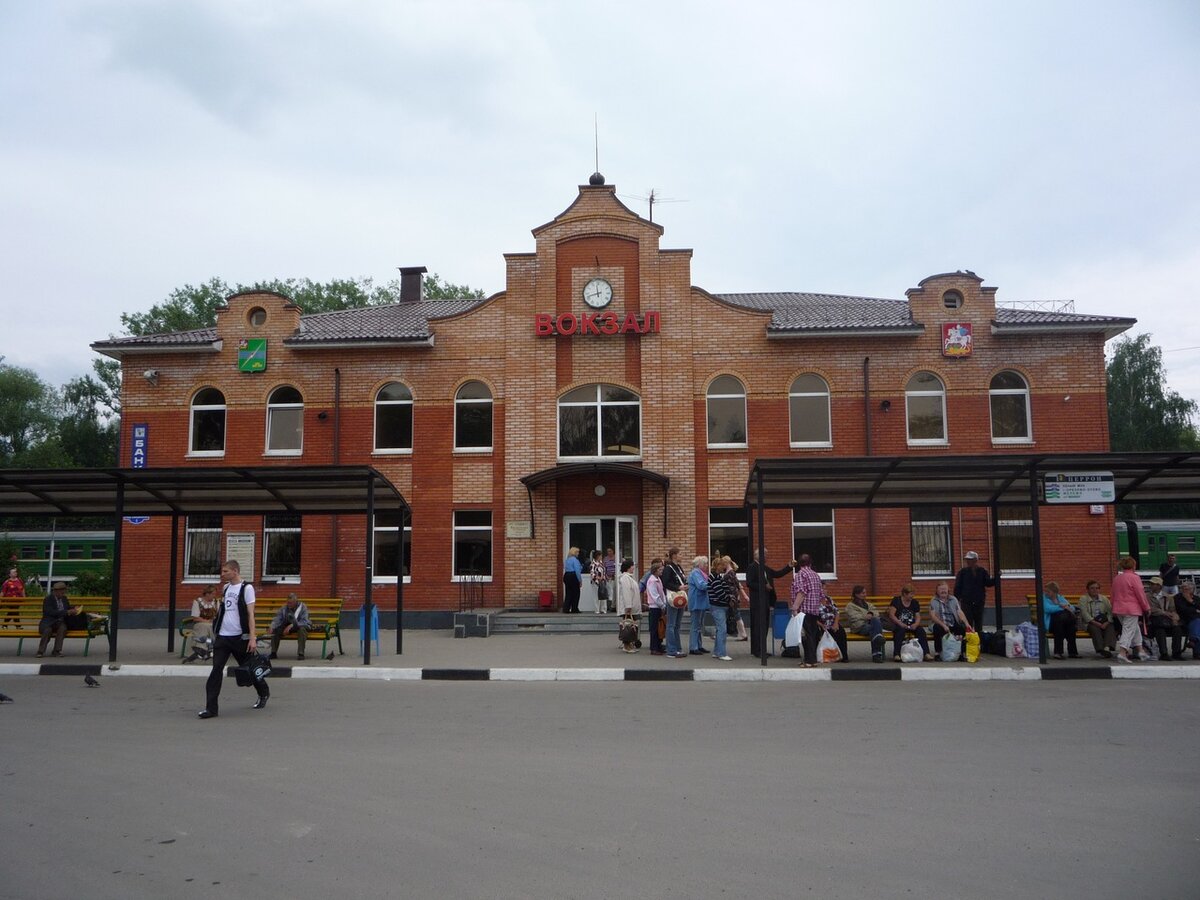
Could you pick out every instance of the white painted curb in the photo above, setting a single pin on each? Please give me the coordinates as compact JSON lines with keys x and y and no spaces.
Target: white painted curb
{"x":797,"y":675}
{"x":589,"y":674}
{"x":728,"y":674}
{"x":523,"y":674}
{"x":20,"y":668}
{"x":1158,"y":671}
{"x":362,"y":673}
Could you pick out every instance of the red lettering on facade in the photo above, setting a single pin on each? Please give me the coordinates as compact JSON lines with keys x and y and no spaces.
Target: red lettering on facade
{"x":567,"y":324}
{"x":650,"y":323}
{"x":608,"y":323}
{"x":587,"y":324}
{"x":630,"y":325}
{"x":543,"y":324}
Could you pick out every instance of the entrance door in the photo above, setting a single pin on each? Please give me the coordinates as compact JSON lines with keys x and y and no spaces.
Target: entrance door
{"x":590,"y":533}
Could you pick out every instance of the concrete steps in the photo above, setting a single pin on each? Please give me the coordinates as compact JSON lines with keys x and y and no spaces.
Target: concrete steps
{"x":516,"y":622}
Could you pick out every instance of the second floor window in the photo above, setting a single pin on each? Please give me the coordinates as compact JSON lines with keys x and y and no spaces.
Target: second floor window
{"x":393,"y":418}
{"x":925,"y":404}
{"x":473,"y":417}
{"x":207,"y":423}
{"x":599,"y":420}
{"x":285,"y":422}
{"x":1009,"y":401}
{"x":808,"y":411}
{"x":726,"y":412}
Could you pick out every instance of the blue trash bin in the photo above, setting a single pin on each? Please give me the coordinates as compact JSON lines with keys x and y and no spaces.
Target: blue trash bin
{"x":374,"y":628}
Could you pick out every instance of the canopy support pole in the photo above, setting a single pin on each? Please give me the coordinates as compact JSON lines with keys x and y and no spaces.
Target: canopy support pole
{"x":173,"y":595}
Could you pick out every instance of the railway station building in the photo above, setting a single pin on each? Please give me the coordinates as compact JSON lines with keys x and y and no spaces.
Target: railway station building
{"x":603,"y":400}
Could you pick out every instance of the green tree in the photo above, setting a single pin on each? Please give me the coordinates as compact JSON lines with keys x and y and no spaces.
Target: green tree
{"x":87,"y":428}
{"x":28,"y":413}
{"x":195,"y":306}
{"x":1143,"y":413}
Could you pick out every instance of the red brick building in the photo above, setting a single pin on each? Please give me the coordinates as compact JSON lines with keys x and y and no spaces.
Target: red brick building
{"x":555,"y":412}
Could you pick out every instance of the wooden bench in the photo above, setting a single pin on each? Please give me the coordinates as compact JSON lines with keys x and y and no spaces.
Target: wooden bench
{"x":1080,"y":632}
{"x":19,"y":618}
{"x":880,"y":604}
{"x":325,"y":613}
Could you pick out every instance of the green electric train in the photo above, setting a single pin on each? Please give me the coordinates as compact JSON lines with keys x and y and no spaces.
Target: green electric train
{"x":1149,"y":541}
{"x":41,"y":557}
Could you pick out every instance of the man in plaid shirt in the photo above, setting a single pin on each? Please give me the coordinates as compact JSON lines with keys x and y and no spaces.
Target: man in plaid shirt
{"x":807,"y":594}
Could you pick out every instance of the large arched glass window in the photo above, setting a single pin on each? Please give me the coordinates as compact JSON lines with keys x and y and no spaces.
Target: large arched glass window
{"x":726,"y":412}
{"x":599,"y":420}
{"x":393,"y":419}
{"x":808,"y":410}
{"x":473,"y":417}
{"x":285,"y":422}
{"x":207,"y":436}
{"x":1009,"y":396}
{"x":925,"y":403}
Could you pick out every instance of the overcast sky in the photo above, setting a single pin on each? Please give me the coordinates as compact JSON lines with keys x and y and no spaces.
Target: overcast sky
{"x":812,"y":146}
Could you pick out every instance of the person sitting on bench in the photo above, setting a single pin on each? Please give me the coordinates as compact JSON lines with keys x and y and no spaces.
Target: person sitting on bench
{"x":292,"y":618}
{"x":55,"y":610}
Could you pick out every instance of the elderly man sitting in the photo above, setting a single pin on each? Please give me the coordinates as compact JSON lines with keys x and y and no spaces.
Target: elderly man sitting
{"x":292,"y":618}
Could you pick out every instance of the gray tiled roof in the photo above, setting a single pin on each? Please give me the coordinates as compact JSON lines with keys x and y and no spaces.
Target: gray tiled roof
{"x":796,"y":311}
{"x":168,"y":339}
{"x":1008,"y":316}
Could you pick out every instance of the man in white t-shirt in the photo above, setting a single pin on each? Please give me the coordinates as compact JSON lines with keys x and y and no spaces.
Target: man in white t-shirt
{"x":233,"y":636}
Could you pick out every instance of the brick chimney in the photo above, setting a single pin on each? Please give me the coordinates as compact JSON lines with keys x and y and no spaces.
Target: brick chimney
{"x":410,"y":283}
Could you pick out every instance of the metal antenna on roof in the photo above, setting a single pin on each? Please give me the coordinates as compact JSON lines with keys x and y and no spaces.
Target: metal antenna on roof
{"x":596,"y":137}
{"x":651,"y":197}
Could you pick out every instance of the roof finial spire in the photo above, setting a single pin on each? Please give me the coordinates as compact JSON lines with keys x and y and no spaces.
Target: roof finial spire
{"x":597,"y":179}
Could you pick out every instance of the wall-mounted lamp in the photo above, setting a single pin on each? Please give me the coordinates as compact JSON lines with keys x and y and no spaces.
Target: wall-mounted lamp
{"x":601,"y":490}
{"x":1067,"y":399}
{"x":322,"y":415}
{"x":151,"y":375}
{"x":885,"y":405}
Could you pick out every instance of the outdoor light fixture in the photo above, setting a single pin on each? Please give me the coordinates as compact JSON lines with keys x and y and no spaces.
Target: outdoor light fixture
{"x":601,"y":490}
{"x":885,"y":405}
{"x":322,"y":415}
{"x":151,"y":375}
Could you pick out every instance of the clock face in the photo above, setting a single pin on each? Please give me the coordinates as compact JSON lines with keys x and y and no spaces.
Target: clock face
{"x":597,"y":293}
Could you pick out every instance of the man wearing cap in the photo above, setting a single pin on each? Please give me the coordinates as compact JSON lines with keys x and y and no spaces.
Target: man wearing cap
{"x":1169,"y":573}
{"x":970,"y":587}
{"x":54,"y":619}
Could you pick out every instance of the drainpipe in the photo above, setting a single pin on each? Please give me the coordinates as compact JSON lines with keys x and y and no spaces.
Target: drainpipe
{"x":337,"y":456}
{"x":869,"y":452}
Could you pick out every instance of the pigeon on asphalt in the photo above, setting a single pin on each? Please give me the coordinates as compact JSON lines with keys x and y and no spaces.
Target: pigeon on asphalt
{"x":90,"y":681}
{"x":4,"y":698}
{"x":330,"y":656}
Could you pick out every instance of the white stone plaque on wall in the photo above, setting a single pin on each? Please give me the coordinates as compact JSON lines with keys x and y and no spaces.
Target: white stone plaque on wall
{"x":522,"y":528}
{"x":240,"y":546}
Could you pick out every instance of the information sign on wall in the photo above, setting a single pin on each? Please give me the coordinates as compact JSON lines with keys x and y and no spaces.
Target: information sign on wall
{"x":1079,"y":487}
{"x":140,"y":446}
{"x":240,"y":546}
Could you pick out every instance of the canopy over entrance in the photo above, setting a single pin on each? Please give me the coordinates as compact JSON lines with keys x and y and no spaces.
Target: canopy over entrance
{"x":987,"y":480}
{"x":303,"y":490}
{"x":572,"y":470}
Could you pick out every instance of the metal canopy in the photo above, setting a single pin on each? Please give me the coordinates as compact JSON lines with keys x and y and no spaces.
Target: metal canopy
{"x":900,"y":481}
{"x":306,"y":490}
{"x":570,"y":470}
{"x":303,"y":490}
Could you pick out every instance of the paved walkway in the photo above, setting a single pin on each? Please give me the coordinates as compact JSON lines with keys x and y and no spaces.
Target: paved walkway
{"x":437,"y":655}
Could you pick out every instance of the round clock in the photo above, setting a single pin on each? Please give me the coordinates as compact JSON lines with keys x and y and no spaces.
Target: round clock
{"x":597,"y":293}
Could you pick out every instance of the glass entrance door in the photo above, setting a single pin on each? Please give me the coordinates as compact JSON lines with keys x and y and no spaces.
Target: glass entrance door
{"x":591,"y":533}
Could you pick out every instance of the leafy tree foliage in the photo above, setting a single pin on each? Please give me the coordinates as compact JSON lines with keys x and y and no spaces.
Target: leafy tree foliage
{"x":1143,"y":413}
{"x":27,"y":412}
{"x":195,"y":306}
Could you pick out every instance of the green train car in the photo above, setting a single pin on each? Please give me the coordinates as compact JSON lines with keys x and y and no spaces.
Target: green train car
{"x":1149,"y":541}
{"x":57,"y":555}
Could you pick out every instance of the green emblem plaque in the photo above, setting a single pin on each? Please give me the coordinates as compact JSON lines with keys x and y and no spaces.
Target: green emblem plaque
{"x":252,"y":355}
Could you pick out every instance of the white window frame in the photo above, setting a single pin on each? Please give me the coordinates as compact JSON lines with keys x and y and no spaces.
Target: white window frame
{"x":407,"y":542}
{"x":476,"y":401}
{"x":395,"y":451}
{"x":455,"y":528}
{"x":710,"y":396}
{"x":947,"y":523}
{"x":792,"y":392}
{"x":1011,"y":523}
{"x":188,"y":531}
{"x":207,"y":407}
{"x":277,"y":407}
{"x":598,"y":405}
{"x":809,"y":523}
{"x":268,"y":531}
{"x":908,"y":394}
{"x":1011,"y":392}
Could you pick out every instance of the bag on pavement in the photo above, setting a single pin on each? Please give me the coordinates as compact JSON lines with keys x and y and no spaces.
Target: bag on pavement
{"x":911,"y":651}
{"x":828,"y":650}
{"x":951,"y":648}
{"x":1029,"y":634}
{"x":1014,"y":645}
{"x":791,"y":637}
{"x":972,"y":642}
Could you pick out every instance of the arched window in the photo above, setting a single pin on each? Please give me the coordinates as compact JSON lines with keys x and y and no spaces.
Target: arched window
{"x":726,"y":412}
{"x":207,"y":436}
{"x":808,"y":409}
{"x":473,"y":417}
{"x":285,"y":422}
{"x":1009,"y":396}
{"x":599,"y":420}
{"x":925,"y":403}
{"x":393,"y":418}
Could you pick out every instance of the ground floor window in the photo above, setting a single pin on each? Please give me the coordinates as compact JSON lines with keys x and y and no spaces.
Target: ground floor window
{"x":472,"y":544}
{"x":930,"y":528}
{"x":389,"y":565}
{"x":729,"y":535}
{"x":1016,"y":540}
{"x":281,"y":546}
{"x":202,"y":547}
{"x":813,"y":533}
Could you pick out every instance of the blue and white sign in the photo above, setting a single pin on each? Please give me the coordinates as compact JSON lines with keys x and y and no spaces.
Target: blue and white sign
{"x":1079,"y":487}
{"x":137,"y":520}
{"x":141,"y":445}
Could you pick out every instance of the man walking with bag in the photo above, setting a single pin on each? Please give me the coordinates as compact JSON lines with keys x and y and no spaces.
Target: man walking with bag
{"x":234,"y":636}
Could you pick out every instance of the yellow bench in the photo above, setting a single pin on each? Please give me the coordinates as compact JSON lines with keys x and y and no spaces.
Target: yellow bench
{"x":19,"y":618}
{"x":324,"y":612}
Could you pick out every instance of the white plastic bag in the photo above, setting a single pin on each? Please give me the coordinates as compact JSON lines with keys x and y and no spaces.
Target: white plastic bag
{"x":1014,"y":645}
{"x":828,"y":650}
{"x":910,"y":651}
{"x":791,"y":637}
{"x":951,"y":648}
